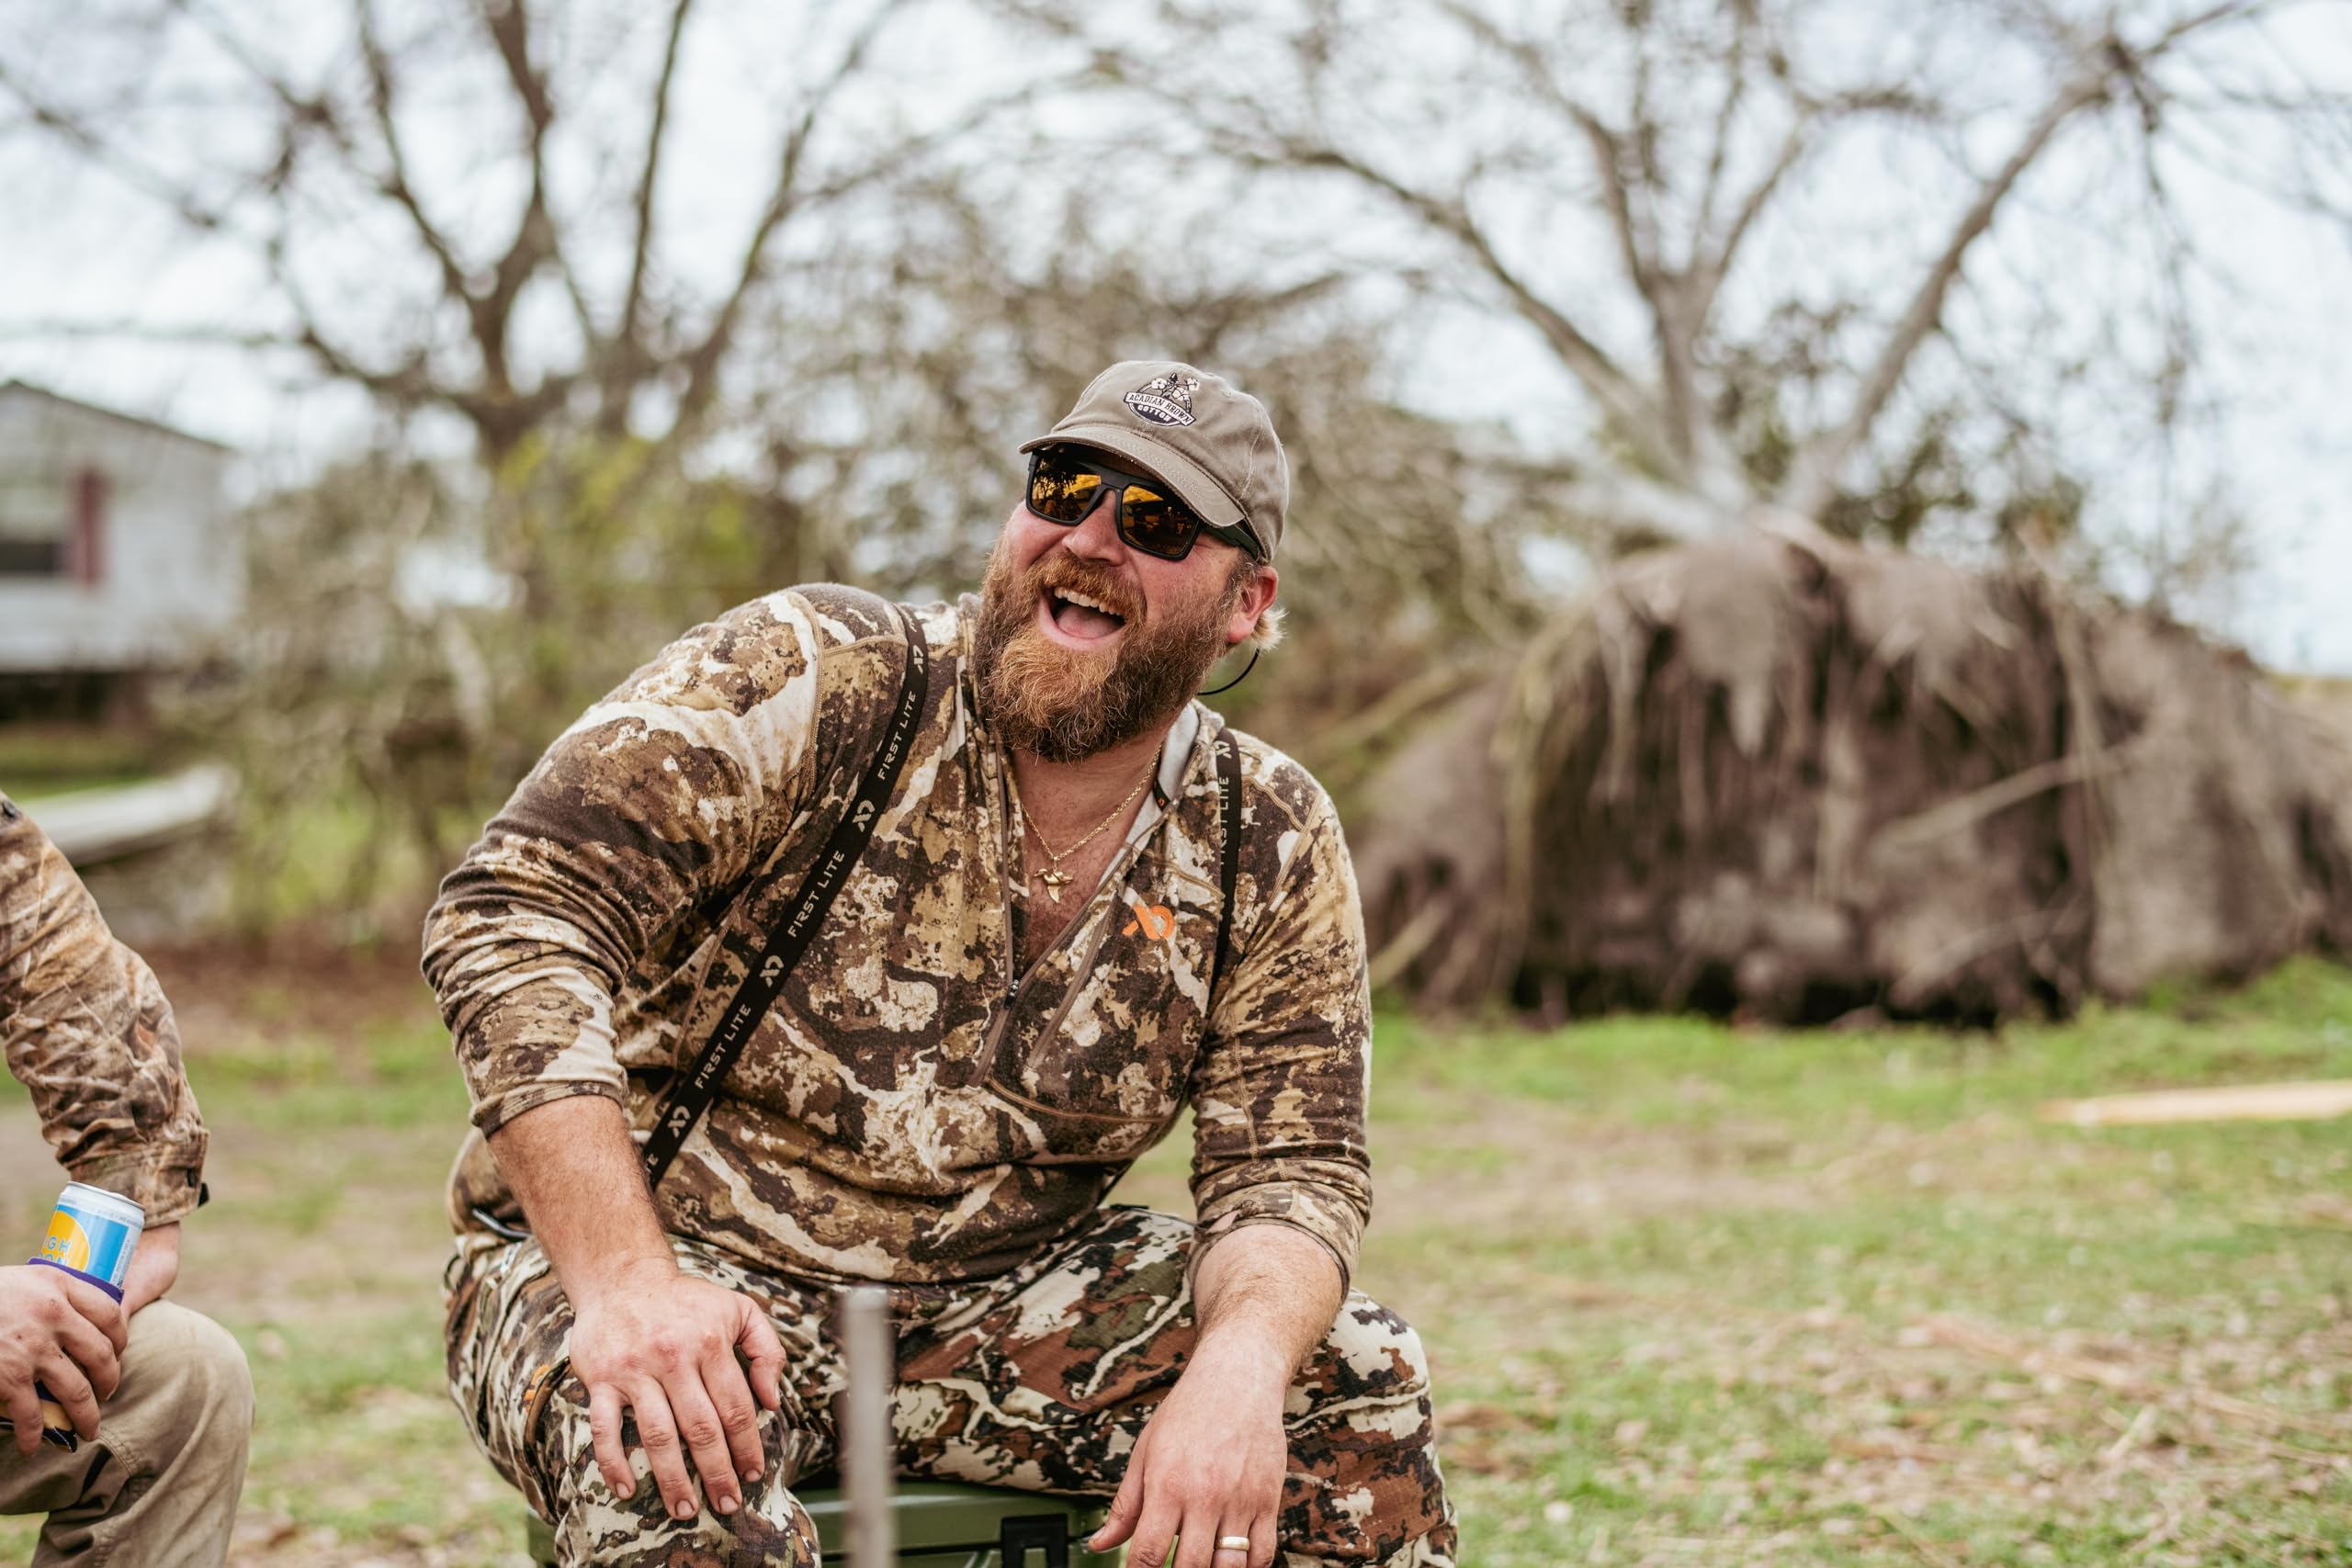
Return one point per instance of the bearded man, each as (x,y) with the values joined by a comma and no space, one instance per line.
(1085,904)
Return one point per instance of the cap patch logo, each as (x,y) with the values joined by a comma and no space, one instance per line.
(1165,400)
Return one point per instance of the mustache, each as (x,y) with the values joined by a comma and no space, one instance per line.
(1092,579)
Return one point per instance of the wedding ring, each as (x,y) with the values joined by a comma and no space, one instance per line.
(1233,1543)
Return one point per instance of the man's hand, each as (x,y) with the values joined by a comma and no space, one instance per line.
(154,1266)
(66,1334)
(646,1337)
(1210,1464)
(662,1344)
(1211,1460)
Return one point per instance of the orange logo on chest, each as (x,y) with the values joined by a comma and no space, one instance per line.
(1157,921)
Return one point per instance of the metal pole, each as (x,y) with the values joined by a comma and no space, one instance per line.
(871,1360)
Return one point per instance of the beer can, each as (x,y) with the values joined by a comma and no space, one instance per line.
(92,1234)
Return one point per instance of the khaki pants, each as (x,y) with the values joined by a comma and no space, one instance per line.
(159,1484)
(1040,1380)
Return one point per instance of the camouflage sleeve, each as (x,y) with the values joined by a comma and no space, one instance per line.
(1278,1098)
(671,788)
(88,1032)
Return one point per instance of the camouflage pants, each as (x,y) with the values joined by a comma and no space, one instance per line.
(1041,1378)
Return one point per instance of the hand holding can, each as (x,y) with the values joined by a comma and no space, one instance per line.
(92,1234)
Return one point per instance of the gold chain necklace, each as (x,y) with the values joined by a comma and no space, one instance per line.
(1052,875)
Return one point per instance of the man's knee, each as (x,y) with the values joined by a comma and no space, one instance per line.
(593,1526)
(770,1530)
(184,1380)
(1370,1353)
(1364,1486)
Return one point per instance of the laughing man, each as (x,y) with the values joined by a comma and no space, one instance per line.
(1085,904)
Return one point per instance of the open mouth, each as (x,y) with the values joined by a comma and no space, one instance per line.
(1081,618)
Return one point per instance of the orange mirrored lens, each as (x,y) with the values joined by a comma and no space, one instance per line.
(1061,492)
(1154,524)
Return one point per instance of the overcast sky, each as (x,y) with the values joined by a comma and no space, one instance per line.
(80,246)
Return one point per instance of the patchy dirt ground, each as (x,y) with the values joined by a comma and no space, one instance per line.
(1694,1294)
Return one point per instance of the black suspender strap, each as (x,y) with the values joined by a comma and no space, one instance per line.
(691,1093)
(1228,791)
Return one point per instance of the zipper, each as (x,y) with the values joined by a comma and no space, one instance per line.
(1114,875)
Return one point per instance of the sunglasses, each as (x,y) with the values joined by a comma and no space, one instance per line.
(1065,483)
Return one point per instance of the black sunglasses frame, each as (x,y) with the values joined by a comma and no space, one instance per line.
(1084,459)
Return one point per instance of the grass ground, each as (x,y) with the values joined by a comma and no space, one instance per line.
(1694,1294)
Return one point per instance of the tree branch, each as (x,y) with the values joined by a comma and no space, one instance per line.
(702,362)
(630,333)
(1630,506)
(1726,117)
(1812,476)
(1676,303)
(1608,152)
(77,134)
(394,184)
(1720,254)
(508,22)
(1624,401)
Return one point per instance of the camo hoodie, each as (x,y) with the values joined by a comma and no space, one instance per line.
(910,1110)
(89,1034)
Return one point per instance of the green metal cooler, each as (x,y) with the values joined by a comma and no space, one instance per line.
(943,1525)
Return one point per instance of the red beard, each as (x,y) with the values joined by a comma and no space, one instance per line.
(1064,704)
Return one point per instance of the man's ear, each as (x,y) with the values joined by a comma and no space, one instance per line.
(1256,617)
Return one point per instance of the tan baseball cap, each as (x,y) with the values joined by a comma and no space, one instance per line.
(1212,442)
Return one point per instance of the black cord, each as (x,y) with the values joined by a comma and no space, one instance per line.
(1213,691)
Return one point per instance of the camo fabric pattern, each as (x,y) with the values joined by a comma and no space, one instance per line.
(1040,1380)
(910,1110)
(88,1032)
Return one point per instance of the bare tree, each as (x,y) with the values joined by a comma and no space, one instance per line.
(504,175)
(1666,193)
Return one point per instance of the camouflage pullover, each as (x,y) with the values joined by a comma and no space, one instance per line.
(909,1109)
(88,1032)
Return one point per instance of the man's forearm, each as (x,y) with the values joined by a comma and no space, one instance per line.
(1265,1296)
(573,1168)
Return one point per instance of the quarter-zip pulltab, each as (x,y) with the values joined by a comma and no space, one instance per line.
(1010,852)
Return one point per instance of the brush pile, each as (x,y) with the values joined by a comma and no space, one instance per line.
(1795,779)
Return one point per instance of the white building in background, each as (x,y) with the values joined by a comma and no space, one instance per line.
(118,551)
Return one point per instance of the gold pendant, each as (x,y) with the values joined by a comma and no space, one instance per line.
(1055,882)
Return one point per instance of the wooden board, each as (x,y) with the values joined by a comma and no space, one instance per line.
(92,827)
(2229,1103)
